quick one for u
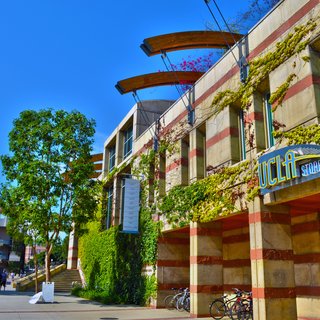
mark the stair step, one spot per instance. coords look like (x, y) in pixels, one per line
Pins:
(63, 281)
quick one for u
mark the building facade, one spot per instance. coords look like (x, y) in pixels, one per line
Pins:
(119, 150)
(267, 240)
(5, 241)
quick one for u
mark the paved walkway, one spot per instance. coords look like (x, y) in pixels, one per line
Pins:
(15, 306)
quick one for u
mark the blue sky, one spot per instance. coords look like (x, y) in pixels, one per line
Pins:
(69, 54)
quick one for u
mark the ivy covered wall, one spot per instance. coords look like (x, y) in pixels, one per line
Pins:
(112, 262)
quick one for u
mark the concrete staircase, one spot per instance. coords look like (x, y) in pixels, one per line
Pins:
(61, 277)
(63, 280)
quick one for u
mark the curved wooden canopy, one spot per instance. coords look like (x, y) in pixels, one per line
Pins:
(96, 159)
(188, 40)
(157, 79)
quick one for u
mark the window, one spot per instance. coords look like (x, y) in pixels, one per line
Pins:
(112, 157)
(185, 161)
(268, 121)
(127, 144)
(109, 207)
(242, 136)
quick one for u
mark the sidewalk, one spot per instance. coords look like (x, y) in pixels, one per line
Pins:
(15, 306)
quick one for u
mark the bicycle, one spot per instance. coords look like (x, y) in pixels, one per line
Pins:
(183, 302)
(223, 306)
(170, 301)
(244, 307)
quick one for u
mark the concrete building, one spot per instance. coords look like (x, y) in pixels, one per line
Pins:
(5, 241)
(121, 146)
(269, 244)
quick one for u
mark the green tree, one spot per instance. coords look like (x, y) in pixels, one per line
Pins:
(256, 10)
(19, 225)
(48, 175)
(60, 250)
(246, 19)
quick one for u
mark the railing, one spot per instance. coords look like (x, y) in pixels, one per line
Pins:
(27, 282)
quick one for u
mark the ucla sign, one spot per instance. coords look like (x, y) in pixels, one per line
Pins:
(288, 166)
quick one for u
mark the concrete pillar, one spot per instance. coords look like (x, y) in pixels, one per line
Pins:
(184, 162)
(256, 123)
(272, 265)
(105, 163)
(119, 147)
(306, 248)
(160, 174)
(116, 208)
(206, 271)
(236, 256)
(72, 250)
(196, 155)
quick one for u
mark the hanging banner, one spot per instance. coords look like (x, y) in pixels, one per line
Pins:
(288, 166)
(131, 206)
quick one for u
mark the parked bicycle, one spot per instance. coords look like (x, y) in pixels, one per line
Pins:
(243, 309)
(238, 307)
(170, 301)
(183, 302)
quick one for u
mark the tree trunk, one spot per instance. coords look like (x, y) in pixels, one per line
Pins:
(48, 263)
(35, 259)
(22, 257)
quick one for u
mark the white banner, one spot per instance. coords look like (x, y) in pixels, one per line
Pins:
(131, 206)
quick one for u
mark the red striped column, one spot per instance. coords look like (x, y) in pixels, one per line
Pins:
(206, 270)
(196, 155)
(273, 284)
(72, 250)
(306, 245)
(173, 263)
(236, 257)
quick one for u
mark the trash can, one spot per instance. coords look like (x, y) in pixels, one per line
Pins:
(48, 291)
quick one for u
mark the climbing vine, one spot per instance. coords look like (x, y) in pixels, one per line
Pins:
(278, 96)
(217, 195)
(300, 135)
(260, 68)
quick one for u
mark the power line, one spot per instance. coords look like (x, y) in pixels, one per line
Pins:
(143, 112)
(163, 57)
(242, 62)
(220, 29)
(191, 117)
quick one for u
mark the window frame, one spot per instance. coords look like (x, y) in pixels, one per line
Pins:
(270, 141)
(127, 142)
(112, 157)
(242, 136)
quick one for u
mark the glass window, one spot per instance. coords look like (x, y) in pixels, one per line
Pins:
(127, 144)
(268, 121)
(242, 136)
(109, 206)
(112, 157)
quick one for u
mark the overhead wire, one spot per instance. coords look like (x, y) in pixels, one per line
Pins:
(163, 57)
(143, 112)
(220, 29)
